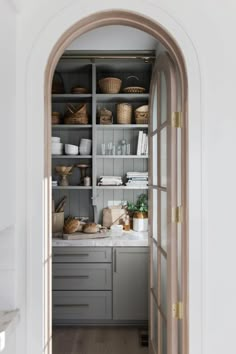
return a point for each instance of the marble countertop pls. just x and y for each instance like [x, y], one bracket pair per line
[8, 320]
[127, 239]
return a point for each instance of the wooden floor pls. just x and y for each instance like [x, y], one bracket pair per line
[97, 340]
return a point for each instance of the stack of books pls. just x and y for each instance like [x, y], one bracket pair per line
[142, 145]
[110, 181]
[137, 179]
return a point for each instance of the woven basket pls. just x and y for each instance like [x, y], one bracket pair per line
[124, 113]
[76, 114]
[133, 88]
[142, 115]
[79, 90]
[110, 85]
[105, 116]
[57, 84]
[56, 118]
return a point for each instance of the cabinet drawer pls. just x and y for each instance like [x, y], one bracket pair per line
[81, 305]
[81, 276]
[81, 254]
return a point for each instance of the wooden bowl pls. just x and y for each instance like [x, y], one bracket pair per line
[63, 169]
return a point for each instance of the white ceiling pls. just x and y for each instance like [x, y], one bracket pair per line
[114, 38]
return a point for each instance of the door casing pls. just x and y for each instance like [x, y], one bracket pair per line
[89, 23]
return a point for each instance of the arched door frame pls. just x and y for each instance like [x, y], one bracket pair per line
[129, 19]
[86, 24]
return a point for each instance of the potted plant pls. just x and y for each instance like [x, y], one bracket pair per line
[139, 213]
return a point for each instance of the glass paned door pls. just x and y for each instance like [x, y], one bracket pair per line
[163, 194]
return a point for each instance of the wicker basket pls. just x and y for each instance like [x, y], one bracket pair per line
[134, 88]
[105, 116]
[142, 115]
[110, 85]
[56, 118]
[79, 90]
[58, 84]
[76, 114]
[124, 113]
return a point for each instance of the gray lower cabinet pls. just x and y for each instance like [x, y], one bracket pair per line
[130, 283]
[82, 254]
[100, 284]
[82, 305]
[81, 276]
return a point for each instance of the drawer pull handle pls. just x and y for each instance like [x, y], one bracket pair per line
[72, 255]
[72, 305]
[71, 276]
[115, 260]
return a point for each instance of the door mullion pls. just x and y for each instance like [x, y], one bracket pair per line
[159, 334]
[172, 264]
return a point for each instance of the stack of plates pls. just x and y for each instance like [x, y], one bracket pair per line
[85, 147]
[56, 145]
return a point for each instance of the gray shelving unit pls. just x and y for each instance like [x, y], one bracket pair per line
[89, 201]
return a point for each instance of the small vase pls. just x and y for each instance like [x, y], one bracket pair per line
[140, 221]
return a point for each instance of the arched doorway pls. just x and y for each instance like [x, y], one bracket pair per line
[137, 21]
[36, 240]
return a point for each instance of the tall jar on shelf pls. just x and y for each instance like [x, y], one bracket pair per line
[139, 213]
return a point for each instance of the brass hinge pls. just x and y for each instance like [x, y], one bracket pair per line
[177, 214]
[177, 120]
[177, 310]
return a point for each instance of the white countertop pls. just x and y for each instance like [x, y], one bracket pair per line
[127, 239]
[8, 320]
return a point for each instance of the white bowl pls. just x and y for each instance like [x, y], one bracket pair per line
[117, 230]
[55, 139]
[71, 149]
[85, 146]
[57, 148]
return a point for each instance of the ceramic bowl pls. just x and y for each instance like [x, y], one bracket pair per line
[117, 230]
[71, 149]
[57, 148]
[85, 146]
[55, 139]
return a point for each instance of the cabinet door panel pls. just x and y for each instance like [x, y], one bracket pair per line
[130, 283]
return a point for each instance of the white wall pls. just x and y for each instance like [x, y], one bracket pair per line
[210, 27]
[114, 38]
[7, 109]
[8, 161]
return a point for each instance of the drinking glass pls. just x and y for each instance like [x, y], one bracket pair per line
[110, 148]
[103, 149]
[128, 149]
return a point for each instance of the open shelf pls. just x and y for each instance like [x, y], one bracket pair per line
[71, 187]
[129, 97]
[71, 156]
[121, 187]
[122, 126]
[122, 156]
[71, 126]
[87, 73]
[71, 97]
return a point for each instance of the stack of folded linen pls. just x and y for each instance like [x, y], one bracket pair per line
[110, 181]
[137, 179]
[54, 183]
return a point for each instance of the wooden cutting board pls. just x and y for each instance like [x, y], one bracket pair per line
[83, 236]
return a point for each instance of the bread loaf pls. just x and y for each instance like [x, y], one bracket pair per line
[90, 228]
[71, 225]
